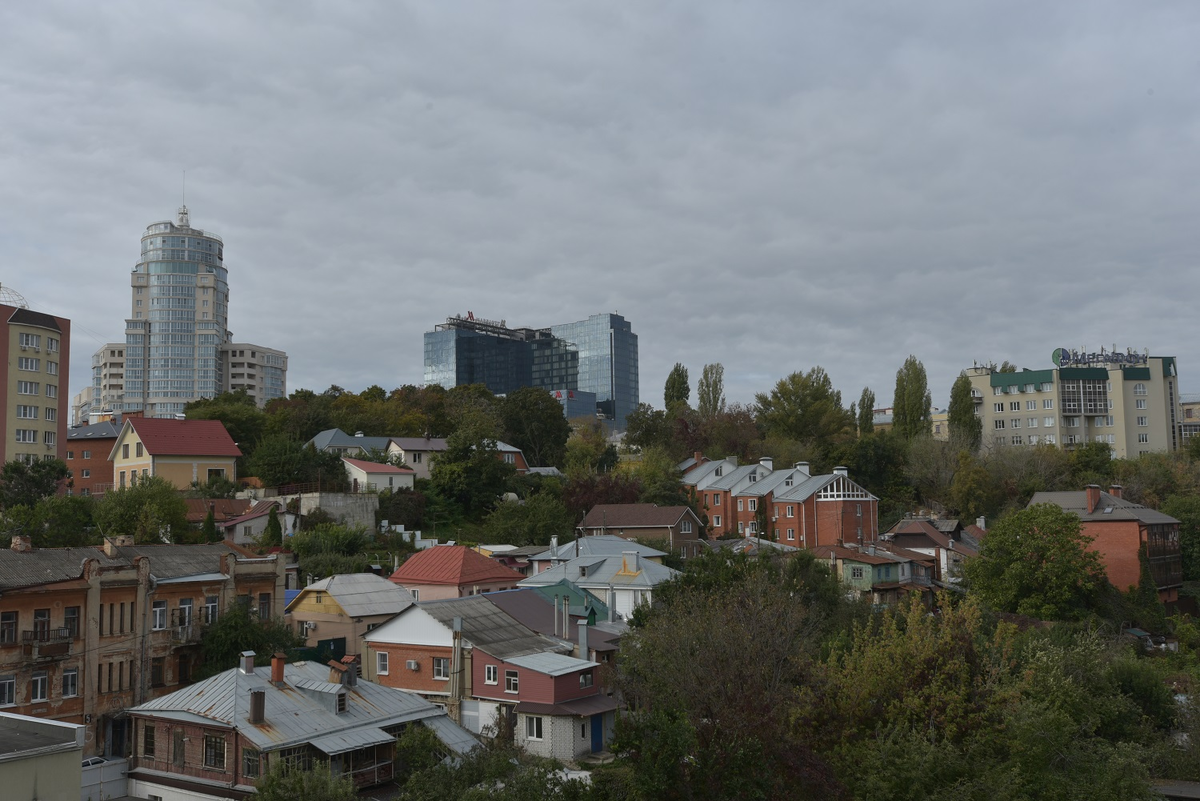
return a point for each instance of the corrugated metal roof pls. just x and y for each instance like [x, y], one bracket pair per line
[595, 545]
[352, 740]
[490, 628]
[361, 594]
[46, 565]
[551, 664]
[291, 716]
[1110, 507]
[633, 515]
[614, 570]
[451, 734]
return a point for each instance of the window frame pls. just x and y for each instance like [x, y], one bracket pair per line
[512, 682]
[441, 668]
[73, 690]
[534, 729]
[214, 751]
[381, 663]
[491, 674]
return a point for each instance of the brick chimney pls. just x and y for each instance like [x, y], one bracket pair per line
[278, 660]
[1093, 497]
[1115, 490]
[22, 544]
[337, 673]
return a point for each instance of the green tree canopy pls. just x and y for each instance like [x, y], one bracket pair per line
[966, 427]
[866, 412]
[677, 389]
[710, 391]
[529, 522]
[24, 484]
[912, 403]
[1036, 562]
[238, 629]
[280, 460]
[470, 474]
[284, 783]
[534, 422]
[242, 418]
[152, 510]
[806, 408]
[646, 427]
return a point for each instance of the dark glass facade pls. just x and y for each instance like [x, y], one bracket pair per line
[608, 362]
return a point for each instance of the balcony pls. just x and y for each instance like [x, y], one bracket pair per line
[47, 643]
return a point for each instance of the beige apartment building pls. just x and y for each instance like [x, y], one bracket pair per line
[1127, 400]
[33, 378]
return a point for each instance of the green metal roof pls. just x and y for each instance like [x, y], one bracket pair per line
[1168, 366]
[1136, 373]
[1023, 377]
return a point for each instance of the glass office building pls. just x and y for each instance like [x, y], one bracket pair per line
[597, 356]
[179, 319]
[608, 362]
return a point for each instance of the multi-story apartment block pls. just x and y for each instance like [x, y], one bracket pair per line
[1126, 400]
[88, 449]
[178, 345]
[33, 377]
[86, 633]
[598, 355]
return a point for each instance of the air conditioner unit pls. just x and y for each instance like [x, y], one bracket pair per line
[412, 664]
[310, 626]
[24, 347]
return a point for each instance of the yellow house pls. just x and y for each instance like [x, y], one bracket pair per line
[181, 451]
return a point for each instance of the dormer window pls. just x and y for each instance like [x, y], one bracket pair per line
[341, 702]
[717, 472]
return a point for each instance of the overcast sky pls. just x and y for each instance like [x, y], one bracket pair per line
[771, 186]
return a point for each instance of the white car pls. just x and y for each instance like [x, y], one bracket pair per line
[87, 763]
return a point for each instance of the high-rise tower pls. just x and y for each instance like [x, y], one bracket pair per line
[179, 319]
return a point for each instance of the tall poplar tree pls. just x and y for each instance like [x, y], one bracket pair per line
[710, 392]
[966, 429]
[866, 412]
[677, 390]
[911, 416]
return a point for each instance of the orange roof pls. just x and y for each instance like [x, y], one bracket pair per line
[166, 437]
[223, 509]
[456, 565]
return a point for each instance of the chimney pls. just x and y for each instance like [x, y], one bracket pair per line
[22, 544]
[1093, 497]
[278, 660]
[583, 640]
[698, 456]
[554, 546]
[258, 706]
[1115, 490]
[337, 673]
[246, 662]
[630, 562]
[803, 468]
[981, 521]
[841, 471]
[767, 462]
[353, 668]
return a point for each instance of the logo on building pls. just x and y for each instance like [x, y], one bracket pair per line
[1065, 357]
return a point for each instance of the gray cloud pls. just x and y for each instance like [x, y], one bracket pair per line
[768, 185]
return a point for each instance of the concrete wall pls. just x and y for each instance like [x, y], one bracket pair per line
[48, 772]
[349, 508]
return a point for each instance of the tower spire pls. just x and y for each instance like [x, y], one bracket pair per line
[183, 212]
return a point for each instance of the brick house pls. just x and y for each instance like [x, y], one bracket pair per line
[88, 448]
[676, 527]
[825, 510]
[216, 738]
[86, 633]
[1119, 530]
[715, 484]
[181, 451]
[452, 571]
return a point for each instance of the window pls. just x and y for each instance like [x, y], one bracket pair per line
[26, 435]
[1050, 438]
[999, 424]
[51, 414]
[1048, 422]
[210, 609]
[1016, 440]
[741, 527]
[1139, 389]
[51, 368]
[753, 504]
[1143, 438]
[1141, 421]
[790, 511]
[716, 521]
[50, 437]
[51, 390]
[533, 727]
[685, 527]
[1015, 422]
[1071, 422]
[29, 365]
[158, 670]
[1014, 406]
[511, 681]
[159, 618]
[148, 740]
[997, 390]
[214, 751]
[41, 623]
[1029, 388]
[39, 687]
[416, 594]
[70, 683]
[71, 621]
[739, 504]
[791, 533]
[264, 605]
[125, 451]
[185, 611]
[856, 572]
[1048, 403]
[510, 458]
[31, 340]
[30, 413]
[139, 449]
[998, 408]
[490, 674]
[1033, 422]
[1139, 403]
[216, 472]
[250, 763]
[28, 388]
[441, 667]
[717, 499]
[1030, 405]
[8, 690]
[381, 663]
[585, 679]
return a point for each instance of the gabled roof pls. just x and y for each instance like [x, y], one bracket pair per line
[922, 534]
[377, 467]
[1110, 507]
[433, 444]
[294, 713]
[775, 482]
[853, 555]
[223, 509]
[806, 489]
[594, 545]
[360, 594]
[594, 572]
[259, 509]
[455, 565]
[106, 429]
[704, 472]
[635, 515]
[166, 437]
[738, 476]
[487, 627]
[336, 438]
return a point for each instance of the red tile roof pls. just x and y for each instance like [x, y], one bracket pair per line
[376, 467]
[456, 565]
[223, 509]
[165, 437]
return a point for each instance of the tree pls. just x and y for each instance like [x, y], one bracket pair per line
[237, 630]
[272, 535]
[63, 521]
[805, 407]
[646, 427]
[534, 422]
[966, 428]
[1036, 562]
[280, 461]
[529, 522]
[677, 390]
[866, 412]
[469, 474]
[24, 484]
[152, 510]
[208, 531]
[282, 782]
[973, 492]
[237, 411]
[1186, 509]
[710, 392]
[588, 448]
[911, 403]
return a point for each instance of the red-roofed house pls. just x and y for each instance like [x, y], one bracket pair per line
[181, 451]
[223, 509]
[366, 475]
[247, 528]
[453, 571]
